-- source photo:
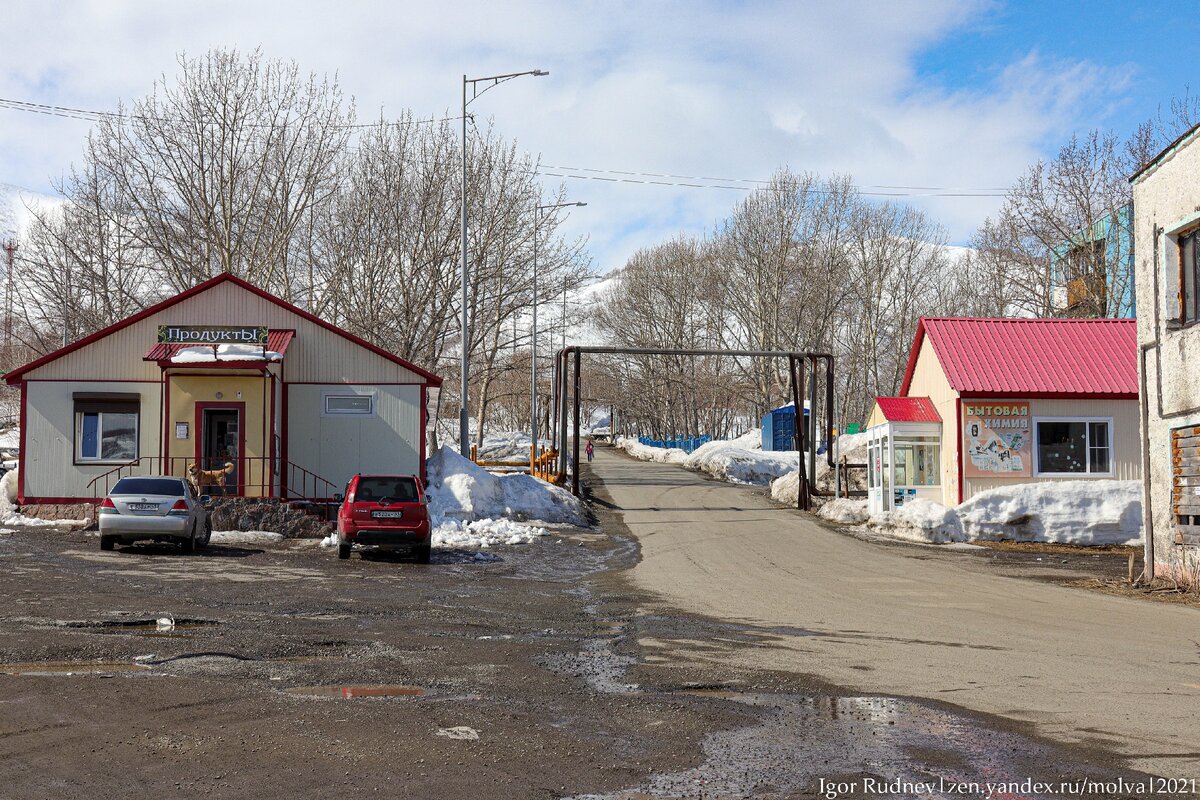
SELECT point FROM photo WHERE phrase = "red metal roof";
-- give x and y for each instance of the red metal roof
(908, 409)
(1048, 357)
(277, 342)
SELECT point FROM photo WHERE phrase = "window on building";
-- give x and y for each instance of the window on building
(1074, 446)
(106, 427)
(349, 404)
(1189, 267)
(917, 464)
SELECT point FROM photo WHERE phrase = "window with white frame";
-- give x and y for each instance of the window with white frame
(349, 404)
(1073, 446)
(106, 428)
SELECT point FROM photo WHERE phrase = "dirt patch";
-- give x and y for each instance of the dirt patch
(1048, 548)
(1159, 594)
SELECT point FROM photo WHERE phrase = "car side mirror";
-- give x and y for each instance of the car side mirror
(205, 499)
(338, 497)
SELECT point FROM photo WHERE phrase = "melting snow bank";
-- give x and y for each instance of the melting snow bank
(1060, 512)
(245, 537)
(10, 516)
(738, 460)
(484, 533)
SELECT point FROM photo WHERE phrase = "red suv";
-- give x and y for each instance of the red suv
(386, 511)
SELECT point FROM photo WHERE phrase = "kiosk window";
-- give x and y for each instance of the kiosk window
(349, 404)
(1073, 446)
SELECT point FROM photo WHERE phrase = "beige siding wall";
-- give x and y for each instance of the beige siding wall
(48, 461)
(929, 380)
(1126, 440)
(316, 354)
(338, 447)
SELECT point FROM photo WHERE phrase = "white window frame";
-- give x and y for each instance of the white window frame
(325, 396)
(1087, 439)
(80, 458)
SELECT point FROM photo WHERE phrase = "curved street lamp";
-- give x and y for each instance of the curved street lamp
(464, 432)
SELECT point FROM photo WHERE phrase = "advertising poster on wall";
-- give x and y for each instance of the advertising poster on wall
(997, 439)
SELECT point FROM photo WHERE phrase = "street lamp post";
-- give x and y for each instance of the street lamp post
(533, 392)
(464, 429)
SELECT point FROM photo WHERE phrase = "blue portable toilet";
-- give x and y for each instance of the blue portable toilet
(779, 428)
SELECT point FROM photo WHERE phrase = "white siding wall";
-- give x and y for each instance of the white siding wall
(929, 380)
(338, 447)
(47, 462)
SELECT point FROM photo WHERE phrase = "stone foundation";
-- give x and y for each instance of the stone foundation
(62, 511)
(266, 514)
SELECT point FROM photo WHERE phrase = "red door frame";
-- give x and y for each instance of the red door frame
(221, 405)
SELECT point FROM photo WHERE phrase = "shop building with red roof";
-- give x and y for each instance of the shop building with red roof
(993, 402)
(221, 374)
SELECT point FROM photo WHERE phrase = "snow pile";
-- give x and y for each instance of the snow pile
(1065, 512)
(920, 520)
(10, 516)
(461, 491)
(732, 461)
(507, 446)
(851, 445)
(842, 510)
(245, 537)
(643, 452)
(202, 354)
(1059, 512)
(485, 533)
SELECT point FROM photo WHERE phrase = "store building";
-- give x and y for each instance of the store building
(994, 402)
(1166, 202)
(266, 398)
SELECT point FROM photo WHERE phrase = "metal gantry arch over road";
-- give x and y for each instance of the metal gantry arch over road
(796, 360)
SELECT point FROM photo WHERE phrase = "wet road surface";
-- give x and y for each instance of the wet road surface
(1082, 667)
(536, 671)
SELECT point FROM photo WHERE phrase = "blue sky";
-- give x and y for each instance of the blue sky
(953, 93)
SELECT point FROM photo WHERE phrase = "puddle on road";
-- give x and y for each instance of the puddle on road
(350, 692)
(141, 626)
(851, 738)
(69, 667)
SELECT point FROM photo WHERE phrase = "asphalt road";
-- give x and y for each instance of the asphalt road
(1118, 674)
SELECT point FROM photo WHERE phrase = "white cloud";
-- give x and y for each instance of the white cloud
(706, 89)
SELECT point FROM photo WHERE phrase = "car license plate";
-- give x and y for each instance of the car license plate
(143, 506)
(387, 514)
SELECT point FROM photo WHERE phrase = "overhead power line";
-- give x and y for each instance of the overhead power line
(603, 175)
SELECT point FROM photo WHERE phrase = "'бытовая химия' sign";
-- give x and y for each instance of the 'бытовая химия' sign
(997, 439)
(212, 334)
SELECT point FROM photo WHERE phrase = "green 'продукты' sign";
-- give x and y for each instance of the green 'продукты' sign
(212, 334)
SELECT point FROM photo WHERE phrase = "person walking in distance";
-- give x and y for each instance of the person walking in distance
(590, 450)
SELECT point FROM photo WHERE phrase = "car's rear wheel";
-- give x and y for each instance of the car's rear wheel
(189, 544)
(422, 553)
(343, 551)
(204, 540)
(108, 542)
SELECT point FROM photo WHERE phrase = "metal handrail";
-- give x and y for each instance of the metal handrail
(293, 480)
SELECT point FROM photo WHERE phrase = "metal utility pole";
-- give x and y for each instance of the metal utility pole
(464, 428)
(10, 252)
(533, 385)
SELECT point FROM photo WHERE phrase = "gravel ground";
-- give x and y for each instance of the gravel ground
(525, 672)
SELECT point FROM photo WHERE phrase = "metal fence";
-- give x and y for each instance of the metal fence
(686, 445)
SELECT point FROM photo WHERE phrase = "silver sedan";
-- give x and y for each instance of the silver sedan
(161, 508)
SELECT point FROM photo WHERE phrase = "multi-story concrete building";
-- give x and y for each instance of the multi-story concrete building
(1166, 201)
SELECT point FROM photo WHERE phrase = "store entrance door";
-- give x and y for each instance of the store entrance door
(221, 446)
